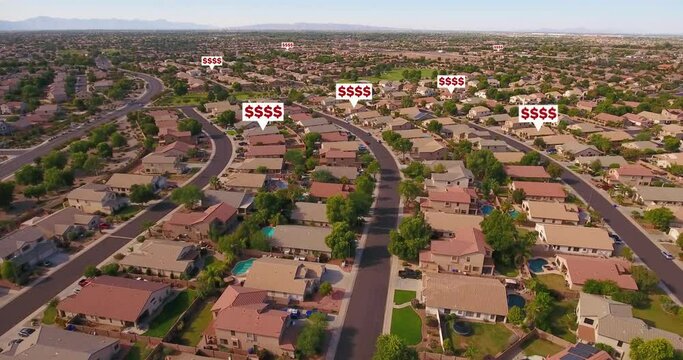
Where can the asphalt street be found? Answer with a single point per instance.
(670, 274)
(27, 302)
(154, 88)
(365, 314)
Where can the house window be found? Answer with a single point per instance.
(469, 314)
(588, 321)
(232, 332)
(467, 259)
(224, 342)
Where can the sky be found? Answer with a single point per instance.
(615, 16)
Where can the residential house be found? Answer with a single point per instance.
(176, 148)
(454, 200)
(306, 213)
(243, 319)
(581, 351)
(575, 240)
(413, 134)
(478, 112)
(339, 172)
(241, 200)
(155, 163)
(575, 149)
(339, 158)
(666, 161)
(168, 135)
(352, 145)
(491, 145)
(428, 149)
(456, 175)
(137, 301)
(398, 124)
(584, 128)
(48, 342)
(219, 107)
(465, 253)
(540, 191)
(446, 224)
(531, 133)
(615, 137)
(285, 279)
(579, 269)
(551, 212)
(508, 157)
(93, 198)
(272, 139)
(606, 119)
(66, 223)
(26, 247)
(323, 191)
(163, 258)
(655, 196)
(631, 175)
(674, 130)
(468, 297)
(415, 114)
(605, 321)
(123, 183)
(301, 239)
(244, 181)
(195, 225)
(641, 145)
(527, 172)
(262, 165)
(606, 161)
(266, 151)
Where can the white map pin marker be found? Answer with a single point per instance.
(539, 114)
(354, 92)
(263, 112)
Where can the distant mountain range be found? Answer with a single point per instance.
(50, 23)
(314, 27)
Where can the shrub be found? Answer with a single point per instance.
(325, 288)
(119, 256)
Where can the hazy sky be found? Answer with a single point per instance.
(628, 16)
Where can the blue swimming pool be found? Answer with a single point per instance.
(242, 267)
(513, 213)
(536, 265)
(487, 209)
(268, 231)
(516, 300)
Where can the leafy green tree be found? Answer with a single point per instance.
(8, 270)
(461, 149)
(78, 160)
(342, 241)
(55, 179)
(671, 144)
(600, 142)
(191, 125)
(392, 347)
(188, 195)
(325, 288)
(54, 159)
(540, 143)
(91, 271)
(485, 166)
(104, 150)
(141, 193)
(554, 170)
(539, 309)
(516, 315)
(117, 140)
(180, 88)
(110, 269)
(434, 126)
(409, 190)
(312, 337)
(659, 217)
(416, 170)
(29, 175)
(35, 191)
(93, 164)
(365, 184)
(449, 107)
(323, 176)
(510, 247)
(412, 236)
(373, 168)
(226, 118)
(646, 279)
(531, 158)
(518, 196)
(655, 349)
(403, 146)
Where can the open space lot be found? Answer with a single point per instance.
(139, 351)
(192, 334)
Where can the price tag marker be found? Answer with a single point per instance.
(498, 47)
(263, 112)
(354, 92)
(287, 45)
(451, 82)
(539, 114)
(212, 61)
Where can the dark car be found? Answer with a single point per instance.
(25, 332)
(408, 273)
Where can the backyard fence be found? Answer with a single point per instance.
(176, 283)
(189, 312)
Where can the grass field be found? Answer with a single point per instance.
(193, 332)
(250, 95)
(487, 339)
(540, 347)
(171, 312)
(407, 325)
(193, 98)
(139, 351)
(655, 316)
(403, 296)
(49, 315)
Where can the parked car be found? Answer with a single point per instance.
(15, 341)
(667, 255)
(83, 282)
(616, 238)
(25, 332)
(293, 313)
(408, 273)
(104, 226)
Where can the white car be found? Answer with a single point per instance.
(667, 255)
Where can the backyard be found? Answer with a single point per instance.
(541, 347)
(655, 316)
(485, 339)
(193, 98)
(139, 351)
(403, 296)
(564, 320)
(192, 333)
(406, 323)
(171, 312)
(554, 282)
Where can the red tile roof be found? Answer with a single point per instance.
(239, 296)
(466, 241)
(583, 268)
(334, 136)
(266, 150)
(528, 172)
(540, 189)
(339, 154)
(300, 116)
(327, 190)
(271, 139)
(98, 297)
(634, 170)
(455, 195)
(220, 211)
(176, 145)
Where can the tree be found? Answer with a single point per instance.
(646, 279)
(35, 191)
(434, 126)
(29, 175)
(412, 236)
(215, 183)
(539, 309)
(110, 269)
(141, 193)
(310, 340)
(671, 144)
(6, 193)
(93, 164)
(322, 176)
(147, 225)
(655, 349)
(104, 150)
(373, 168)
(188, 196)
(518, 196)
(449, 107)
(191, 125)
(659, 217)
(180, 88)
(55, 159)
(325, 288)
(403, 146)
(226, 118)
(531, 158)
(485, 166)
(501, 234)
(627, 253)
(91, 271)
(8, 271)
(342, 241)
(516, 315)
(56, 179)
(416, 170)
(117, 140)
(410, 190)
(540, 143)
(391, 347)
(554, 170)
(600, 142)
(365, 184)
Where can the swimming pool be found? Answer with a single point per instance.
(242, 267)
(487, 209)
(268, 231)
(515, 300)
(513, 213)
(536, 265)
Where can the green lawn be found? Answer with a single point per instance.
(49, 315)
(564, 320)
(407, 325)
(540, 347)
(553, 282)
(193, 332)
(487, 339)
(128, 211)
(250, 95)
(655, 316)
(231, 132)
(193, 98)
(509, 271)
(403, 296)
(139, 351)
(171, 312)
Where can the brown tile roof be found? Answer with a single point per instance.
(327, 190)
(270, 139)
(453, 194)
(540, 189)
(96, 298)
(466, 293)
(221, 211)
(634, 170)
(239, 296)
(253, 319)
(176, 145)
(283, 275)
(334, 137)
(266, 150)
(529, 172)
(339, 154)
(582, 269)
(466, 241)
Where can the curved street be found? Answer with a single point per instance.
(365, 314)
(39, 294)
(649, 253)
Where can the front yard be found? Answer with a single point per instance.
(406, 323)
(485, 339)
(49, 315)
(403, 296)
(161, 324)
(655, 316)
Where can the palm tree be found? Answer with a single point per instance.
(215, 183)
(148, 225)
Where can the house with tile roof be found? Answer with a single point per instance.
(163, 258)
(53, 343)
(579, 269)
(307, 213)
(575, 240)
(285, 279)
(92, 198)
(195, 225)
(551, 212)
(455, 200)
(466, 253)
(632, 175)
(540, 191)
